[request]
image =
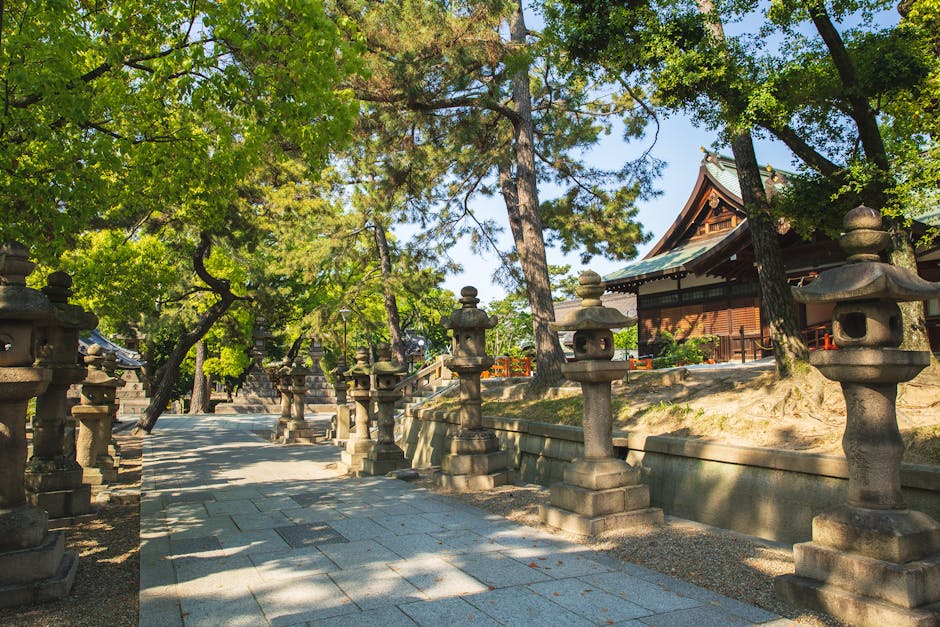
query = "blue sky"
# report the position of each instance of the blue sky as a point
(679, 145)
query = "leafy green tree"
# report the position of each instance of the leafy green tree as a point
(822, 95)
(150, 118)
(505, 117)
(627, 339)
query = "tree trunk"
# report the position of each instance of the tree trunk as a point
(912, 313)
(391, 303)
(789, 347)
(200, 399)
(530, 244)
(869, 134)
(169, 373)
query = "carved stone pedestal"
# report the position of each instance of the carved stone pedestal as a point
(61, 493)
(872, 567)
(355, 454)
(39, 573)
(599, 492)
(474, 462)
(383, 459)
(599, 496)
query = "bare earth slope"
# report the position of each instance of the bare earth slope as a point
(733, 404)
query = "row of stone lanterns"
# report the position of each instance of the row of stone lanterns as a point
(39, 358)
(34, 564)
(291, 426)
(871, 561)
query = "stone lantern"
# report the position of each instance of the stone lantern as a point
(360, 440)
(53, 478)
(279, 374)
(386, 456)
(474, 460)
(341, 428)
(107, 428)
(93, 414)
(298, 430)
(871, 561)
(36, 566)
(600, 492)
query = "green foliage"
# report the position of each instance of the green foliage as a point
(121, 280)
(627, 339)
(118, 114)
(513, 328)
(694, 350)
(863, 124)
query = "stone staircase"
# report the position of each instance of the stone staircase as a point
(257, 396)
(133, 398)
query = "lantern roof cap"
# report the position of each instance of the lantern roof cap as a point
(361, 367)
(469, 316)
(18, 302)
(385, 365)
(592, 315)
(864, 276)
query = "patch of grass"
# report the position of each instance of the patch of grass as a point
(560, 411)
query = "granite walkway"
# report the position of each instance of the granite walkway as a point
(237, 531)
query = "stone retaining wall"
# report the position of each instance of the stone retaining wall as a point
(769, 493)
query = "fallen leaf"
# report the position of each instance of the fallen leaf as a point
(533, 565)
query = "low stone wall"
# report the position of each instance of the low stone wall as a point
(769, 493)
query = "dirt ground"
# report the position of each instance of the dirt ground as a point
(733, 404)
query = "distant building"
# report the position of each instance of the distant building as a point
(700, 277)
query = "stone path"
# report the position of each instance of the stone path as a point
(237, 531)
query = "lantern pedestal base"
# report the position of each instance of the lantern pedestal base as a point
(590, 511)
(892, 535)
(277, 432)
(593, 503)
(103, 473)
(869, 567)
(601, 474)
(300, 432)
(574, 522)
(357, 450)
(341, 426)
(849, 606)
(41, 573)
(472, 472)
(383, 459)
(60, 493)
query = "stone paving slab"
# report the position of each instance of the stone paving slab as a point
(238, 531)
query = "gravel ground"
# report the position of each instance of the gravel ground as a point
(737, 566)
(108, 578)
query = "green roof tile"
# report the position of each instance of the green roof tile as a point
(673, 259)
